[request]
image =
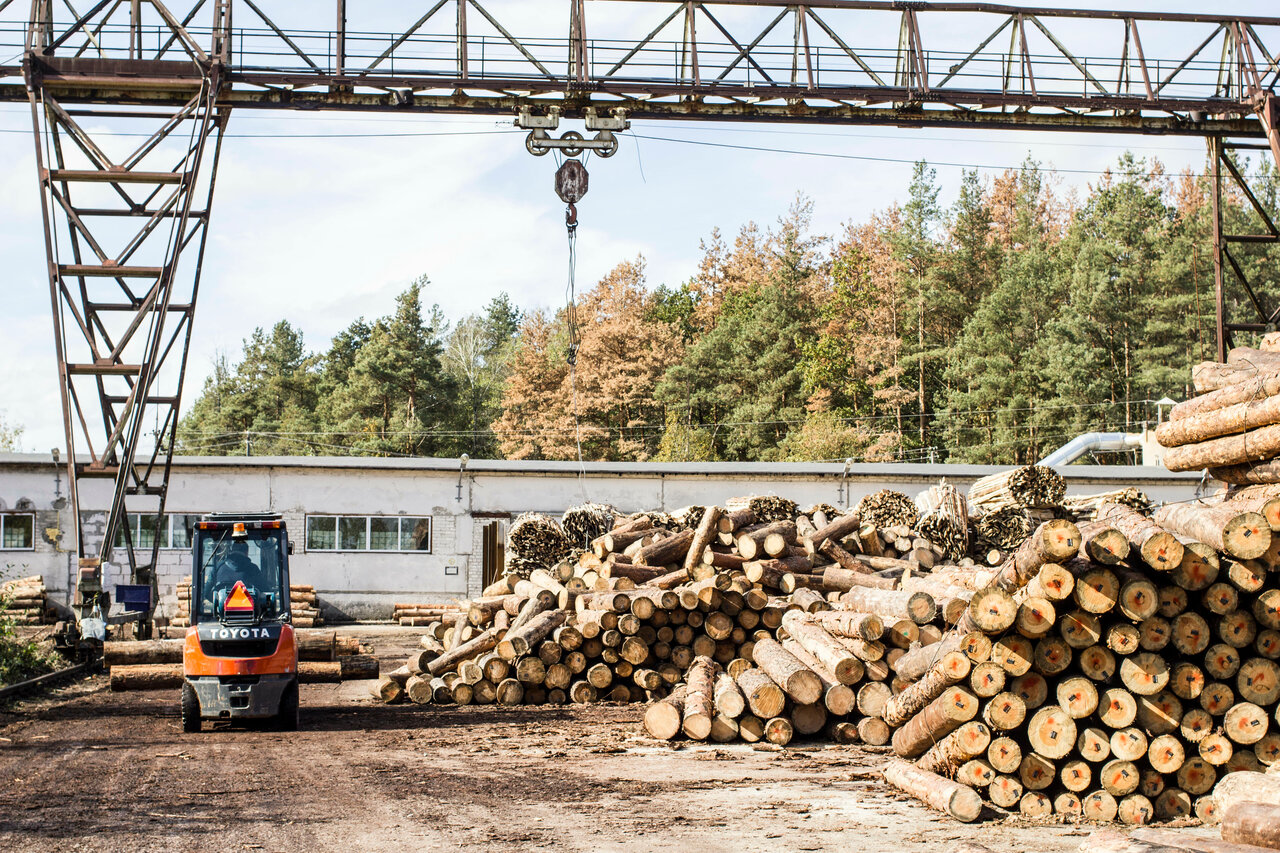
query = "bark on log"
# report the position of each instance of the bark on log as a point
(891, 605)
(796, 680)
(1054, 541)
(938, 719)
(953, 668)
(1254, 446)
(1246, 535)
(520, 640)
(702, 537)
(970, 741)
(669, 550)
(959, 801)
(468, 650)
(1252, 823)
(699, 702)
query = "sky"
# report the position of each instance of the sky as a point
(323, 218)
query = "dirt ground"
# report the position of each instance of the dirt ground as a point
(86, 769)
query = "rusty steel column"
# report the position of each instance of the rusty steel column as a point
(1219, 246)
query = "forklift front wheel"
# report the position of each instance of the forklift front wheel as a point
(287, 718)
(190, 709)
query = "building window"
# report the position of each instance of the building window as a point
(17, 531)
(173, 530)
(380, 533)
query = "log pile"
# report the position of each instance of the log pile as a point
(1232, 427)
(1002, 530)
(1112, 671)
(535, 541)
(418, 615)
(303, 604)
(24, 600)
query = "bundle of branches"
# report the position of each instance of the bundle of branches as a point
(826, 509)
(536, 542)
(766, 507)
(687, 517)
(1028, 486)
(944, 519)
(1085, 507)
(1003, 529)
(887, 508)
(585, 522)
(658, 519)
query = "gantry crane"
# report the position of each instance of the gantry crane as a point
(130, 98)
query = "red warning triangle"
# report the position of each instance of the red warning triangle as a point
(239, 600)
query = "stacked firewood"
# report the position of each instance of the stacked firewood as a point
(1031, 486)
(535, 541)
(303, 604)
(1233, 427)
(24, 600)
(764, 508)
(944, 519)
(585, 522)
(418, 615)
(887, 508)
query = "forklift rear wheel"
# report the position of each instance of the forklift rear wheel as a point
(287, 717)
(190, 709)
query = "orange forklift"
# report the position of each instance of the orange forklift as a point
(240, 659)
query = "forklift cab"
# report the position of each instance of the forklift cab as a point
(240, 659)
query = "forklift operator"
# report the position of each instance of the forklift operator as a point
(232, 563)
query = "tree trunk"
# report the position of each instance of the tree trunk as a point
(1252, 823)
(966, 743)
(468, 650)
(1258, 445)
(1158, 548)
(699, 703)
(1224, 527)
(959, 801)
(938, 719)
(951, 669)
(702, 537)
(793, 677)
(670, 550)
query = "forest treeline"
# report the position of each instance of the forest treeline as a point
(991, 331)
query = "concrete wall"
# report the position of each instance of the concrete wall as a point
(364, 585)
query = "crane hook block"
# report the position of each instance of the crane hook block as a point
(571, 181)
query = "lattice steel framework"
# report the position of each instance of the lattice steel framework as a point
(126, 229)
(125, 219)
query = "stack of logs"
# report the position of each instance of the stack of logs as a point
(1112, 670)
(304, 606)
(23, 600)
(418, 615)
(157, 664)
(302, 603)
(1233, 427)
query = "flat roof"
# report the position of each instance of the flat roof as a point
(857, 470)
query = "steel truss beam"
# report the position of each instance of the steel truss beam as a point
(917, 64)
(125, 232)
(125, 223)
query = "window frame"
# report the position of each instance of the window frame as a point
(368, 533)
(3, 526)
(165, 531)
